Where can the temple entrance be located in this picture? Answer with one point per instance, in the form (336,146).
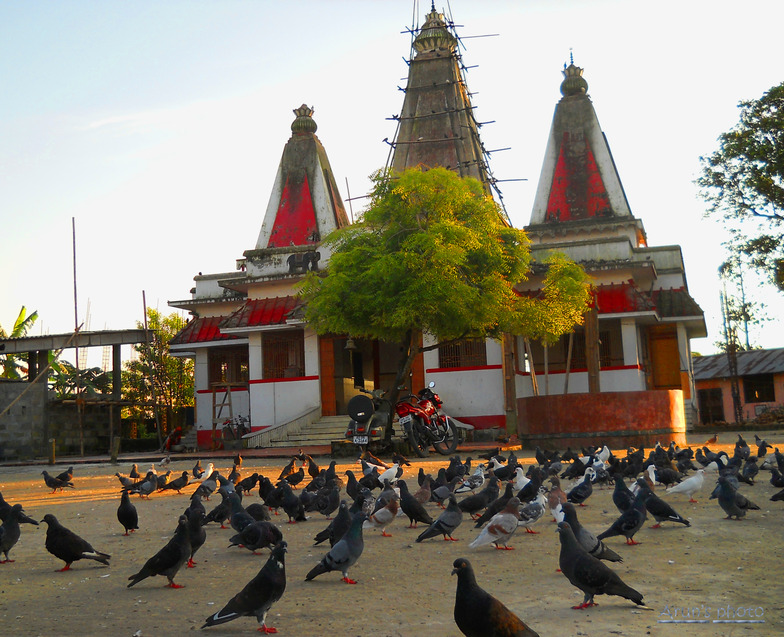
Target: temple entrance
(361,364)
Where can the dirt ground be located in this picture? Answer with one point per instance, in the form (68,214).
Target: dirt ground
(717,569)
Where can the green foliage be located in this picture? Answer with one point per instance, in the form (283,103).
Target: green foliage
(14,366)
(171,378)
(432,255)
(65,380)
(743,182)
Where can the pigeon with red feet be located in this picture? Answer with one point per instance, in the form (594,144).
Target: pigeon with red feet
(69,547)
(259,594)
(173,556)
(446,523)
(344,554)
(589,574)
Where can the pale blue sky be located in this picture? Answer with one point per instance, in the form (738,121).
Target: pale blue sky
(159,125)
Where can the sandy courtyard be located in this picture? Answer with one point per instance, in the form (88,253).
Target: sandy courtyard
(716,568)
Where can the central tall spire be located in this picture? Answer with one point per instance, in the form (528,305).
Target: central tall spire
(436,126)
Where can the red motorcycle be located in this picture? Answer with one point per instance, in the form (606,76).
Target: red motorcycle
(425,424)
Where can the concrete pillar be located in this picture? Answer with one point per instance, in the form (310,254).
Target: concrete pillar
(631,355)
(116,372)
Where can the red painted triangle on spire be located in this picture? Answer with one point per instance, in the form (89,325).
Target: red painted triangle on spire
(295,222)
(577,191)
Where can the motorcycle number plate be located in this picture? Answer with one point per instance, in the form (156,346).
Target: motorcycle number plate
(360,440)
(405,419)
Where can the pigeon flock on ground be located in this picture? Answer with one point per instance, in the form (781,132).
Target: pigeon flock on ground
(493,493)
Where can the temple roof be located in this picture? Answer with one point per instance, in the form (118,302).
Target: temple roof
(579,180)
(436,125)
(305,204)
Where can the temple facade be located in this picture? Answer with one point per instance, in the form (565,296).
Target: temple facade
(628,369)
(633,354)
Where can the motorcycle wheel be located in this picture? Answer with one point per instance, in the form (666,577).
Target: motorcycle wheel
(449,444)
(417,439)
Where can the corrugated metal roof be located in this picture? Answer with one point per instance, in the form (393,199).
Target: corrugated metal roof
(757,361)
(201,330)
(257,312)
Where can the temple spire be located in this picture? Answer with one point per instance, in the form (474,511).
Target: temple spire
(579,180)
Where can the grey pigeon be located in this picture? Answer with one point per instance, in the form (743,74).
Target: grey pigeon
(257,535)
(501,527)
(629,522)
(55,483)
(69,547)
(134,474)
(239,518)
(588,540)
(177,484)
(146,486)
(66,476)
(734,503)
(221,512)
(127,514)
(10,531)
(344,554)
(337,526)
(478,614)
(477,502)
(259,512)
(173,556)
(622,496)
(581,491)
(258,595)
(446,523)
(588,573)
(658,508)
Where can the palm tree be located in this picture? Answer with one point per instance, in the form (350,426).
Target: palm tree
(13,366)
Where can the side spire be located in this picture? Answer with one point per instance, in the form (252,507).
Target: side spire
(579,180)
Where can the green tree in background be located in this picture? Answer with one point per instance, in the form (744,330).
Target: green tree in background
(65,379)
(743,182)
(156,377)
(432,255)
(13,366)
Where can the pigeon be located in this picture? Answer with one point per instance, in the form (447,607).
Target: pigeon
(178,484)
(337,526)
(294,478)
(690,485)
(412,507)
(169,559)
(134,474)
(258,595)
(344,554)
(581,491)
(69,547)
(257,535)
(208,485)
(500,528)
(391,474)
(239,517)
(473,482)
(477,502)
(629,522)
(5,507)
(622,496)
(446,523)
(55,483)
(777,496)
(291,504)
(733,501)
(478,613)
(10,531)
(532,512)
(588,540)
(287,470)
(221,512)
(196,532)
(259,512)
(588,573)
(126,514)
(165,461)
(750,470)
(146,486)
(249,483)
(424,493)
(384,516)
(658,508)
(495,506)
(66,476)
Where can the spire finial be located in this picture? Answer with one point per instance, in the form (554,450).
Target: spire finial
(571,55)
(304,122)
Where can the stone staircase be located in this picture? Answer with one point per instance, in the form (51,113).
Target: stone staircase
(325,431)
(322,432)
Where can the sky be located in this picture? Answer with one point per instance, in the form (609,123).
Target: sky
(155,129)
